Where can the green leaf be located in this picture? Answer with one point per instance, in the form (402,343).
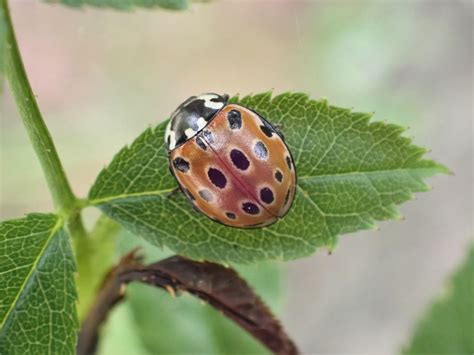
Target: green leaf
(37,293)
(351,173)
(160,324)
(448,326)
(126,4)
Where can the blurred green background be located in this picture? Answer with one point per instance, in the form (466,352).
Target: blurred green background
(101,77)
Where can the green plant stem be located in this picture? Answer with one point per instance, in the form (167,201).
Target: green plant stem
(88,248)
(95,255)
(63,197)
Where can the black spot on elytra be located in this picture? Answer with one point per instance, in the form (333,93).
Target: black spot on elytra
(189,194)
(279,176)
(235,119)
(260,150)
(217,177)
(208,136)
(239,159)
(250,208)
(200,143)
(266,195)
(206,195)
(230,215)
(288,161)
(287,196)
(181,164)
(267,130)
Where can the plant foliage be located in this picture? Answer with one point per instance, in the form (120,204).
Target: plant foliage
(448,326)
(351,173)
(126,4)
(37,293)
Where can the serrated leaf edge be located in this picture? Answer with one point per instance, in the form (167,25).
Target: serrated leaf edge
(418,173)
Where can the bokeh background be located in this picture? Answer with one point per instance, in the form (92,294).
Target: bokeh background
(102,76)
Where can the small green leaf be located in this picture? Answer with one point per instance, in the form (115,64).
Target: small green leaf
(37,293)
(126,4)
(351,173)
(448,327)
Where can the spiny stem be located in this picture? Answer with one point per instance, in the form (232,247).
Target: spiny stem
(63,197)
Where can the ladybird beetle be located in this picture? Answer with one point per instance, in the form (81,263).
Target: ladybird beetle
(231,163)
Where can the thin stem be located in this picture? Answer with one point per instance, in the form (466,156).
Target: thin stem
(63,197)
(95,255)
(94,251)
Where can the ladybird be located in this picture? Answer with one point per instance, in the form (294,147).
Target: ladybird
(230,162)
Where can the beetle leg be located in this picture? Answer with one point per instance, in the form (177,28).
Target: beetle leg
(174,192)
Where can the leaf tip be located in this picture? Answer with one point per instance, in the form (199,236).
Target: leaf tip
(399,217)
(332,244)
(324,101)
(442,169)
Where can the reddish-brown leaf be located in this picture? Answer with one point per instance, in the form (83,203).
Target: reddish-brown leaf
(217,285)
